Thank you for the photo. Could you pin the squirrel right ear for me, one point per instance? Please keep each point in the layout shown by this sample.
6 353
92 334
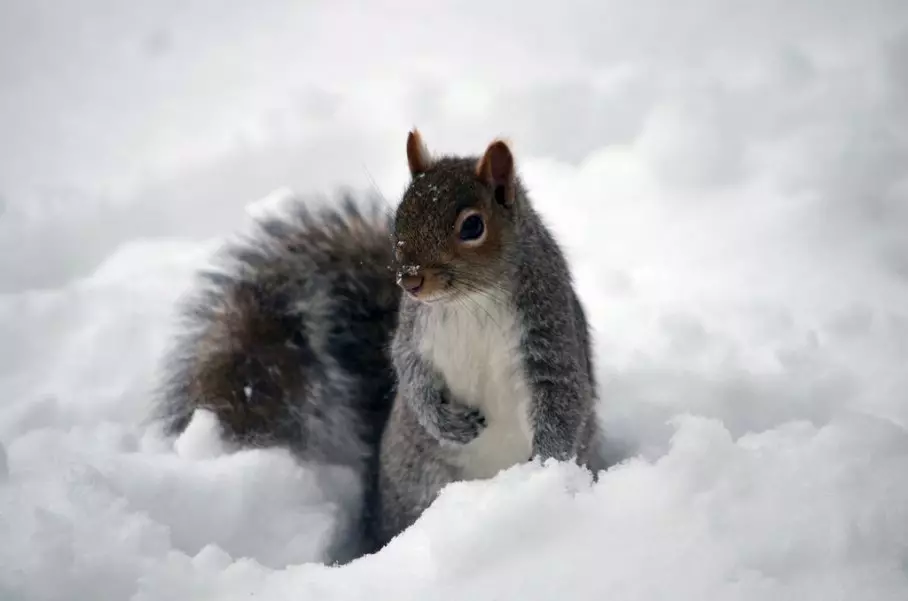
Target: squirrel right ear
496 168
418 155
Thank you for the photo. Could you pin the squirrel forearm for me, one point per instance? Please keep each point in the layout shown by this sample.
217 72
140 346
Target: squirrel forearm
419 390
444 418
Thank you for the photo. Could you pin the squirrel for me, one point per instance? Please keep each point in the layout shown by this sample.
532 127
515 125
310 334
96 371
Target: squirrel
442 343
492 352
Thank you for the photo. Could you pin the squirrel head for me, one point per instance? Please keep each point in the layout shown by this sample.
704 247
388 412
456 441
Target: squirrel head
454 223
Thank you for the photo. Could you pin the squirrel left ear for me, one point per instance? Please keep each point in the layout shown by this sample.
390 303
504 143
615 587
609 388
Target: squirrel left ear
418 156
496 168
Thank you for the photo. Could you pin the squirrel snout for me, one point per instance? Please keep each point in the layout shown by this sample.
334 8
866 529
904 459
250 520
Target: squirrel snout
412 283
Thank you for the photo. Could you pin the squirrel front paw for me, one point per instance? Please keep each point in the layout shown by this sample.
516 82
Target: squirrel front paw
458 423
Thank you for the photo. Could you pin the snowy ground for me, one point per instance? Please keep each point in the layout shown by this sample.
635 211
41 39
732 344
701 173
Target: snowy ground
729 179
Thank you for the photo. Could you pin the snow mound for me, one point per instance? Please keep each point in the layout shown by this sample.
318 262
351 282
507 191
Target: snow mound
762 456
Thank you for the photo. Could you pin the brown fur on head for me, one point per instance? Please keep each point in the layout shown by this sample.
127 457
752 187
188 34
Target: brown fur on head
454 221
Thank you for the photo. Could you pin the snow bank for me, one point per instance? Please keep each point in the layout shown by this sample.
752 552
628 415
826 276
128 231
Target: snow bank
728 181
763 450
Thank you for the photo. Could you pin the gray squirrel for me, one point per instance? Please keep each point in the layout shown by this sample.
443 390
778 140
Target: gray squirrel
443 343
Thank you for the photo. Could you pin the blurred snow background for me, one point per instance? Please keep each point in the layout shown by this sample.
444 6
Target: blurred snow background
729 179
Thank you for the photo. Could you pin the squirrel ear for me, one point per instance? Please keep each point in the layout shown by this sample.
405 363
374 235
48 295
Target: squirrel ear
418 155
496 168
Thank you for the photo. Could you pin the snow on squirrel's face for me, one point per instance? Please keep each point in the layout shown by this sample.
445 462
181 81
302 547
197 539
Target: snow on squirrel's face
452 223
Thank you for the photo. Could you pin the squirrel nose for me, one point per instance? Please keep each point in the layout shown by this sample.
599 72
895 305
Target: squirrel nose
412 283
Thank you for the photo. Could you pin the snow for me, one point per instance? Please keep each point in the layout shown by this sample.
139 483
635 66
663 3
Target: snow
727 178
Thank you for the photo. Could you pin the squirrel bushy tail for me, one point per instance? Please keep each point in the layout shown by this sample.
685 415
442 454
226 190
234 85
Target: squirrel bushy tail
286 339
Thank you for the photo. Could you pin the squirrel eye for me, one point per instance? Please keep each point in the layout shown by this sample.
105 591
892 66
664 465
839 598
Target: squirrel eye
472 228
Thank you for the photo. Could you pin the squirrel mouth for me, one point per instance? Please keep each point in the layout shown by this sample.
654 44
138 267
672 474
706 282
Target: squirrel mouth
424 285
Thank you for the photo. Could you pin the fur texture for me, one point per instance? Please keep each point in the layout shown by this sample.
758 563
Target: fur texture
285 340
303 338
493 358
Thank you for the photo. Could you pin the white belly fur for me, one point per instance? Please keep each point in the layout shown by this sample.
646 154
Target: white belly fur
474 342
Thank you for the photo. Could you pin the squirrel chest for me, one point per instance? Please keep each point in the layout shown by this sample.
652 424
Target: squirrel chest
475 344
